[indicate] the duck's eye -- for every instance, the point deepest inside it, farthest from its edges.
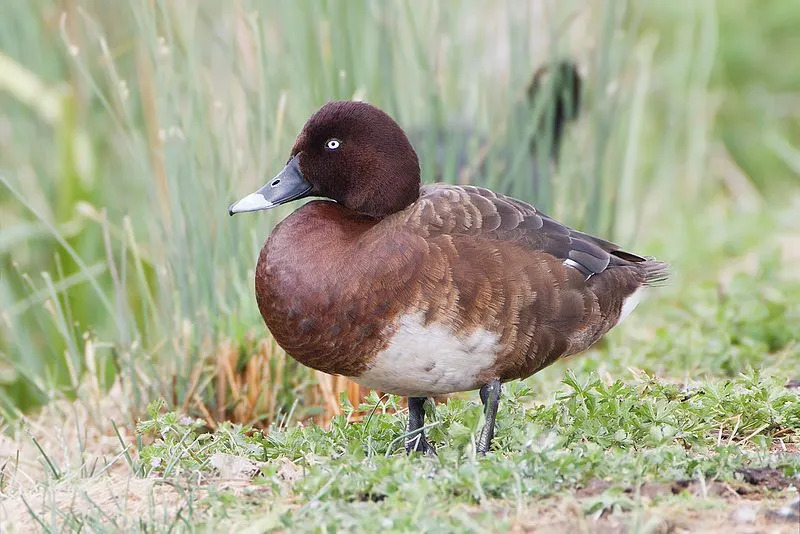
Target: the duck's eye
(332, 144)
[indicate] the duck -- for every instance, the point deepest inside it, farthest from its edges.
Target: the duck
(425, 290)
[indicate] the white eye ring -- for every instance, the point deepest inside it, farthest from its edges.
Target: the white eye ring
(332, 144)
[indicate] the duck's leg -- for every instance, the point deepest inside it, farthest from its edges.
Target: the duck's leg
(416, 420)
(490, 397)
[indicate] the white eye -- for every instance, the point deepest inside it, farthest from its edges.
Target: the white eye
(332, 144)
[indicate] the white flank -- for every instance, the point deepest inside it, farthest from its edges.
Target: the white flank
(423, 360)
(630, 303)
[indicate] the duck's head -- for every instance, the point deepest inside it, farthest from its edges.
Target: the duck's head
(350, 152)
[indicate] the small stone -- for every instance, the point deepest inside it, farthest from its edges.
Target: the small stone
(744, 514)
(289, 471)
(233, 467)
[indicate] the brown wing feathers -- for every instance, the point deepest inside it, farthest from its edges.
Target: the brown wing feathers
(546, 289)
(476, 211)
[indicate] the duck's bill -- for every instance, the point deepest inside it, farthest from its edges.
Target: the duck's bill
(288, 185)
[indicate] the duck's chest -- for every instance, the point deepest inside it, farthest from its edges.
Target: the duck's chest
(326, 292)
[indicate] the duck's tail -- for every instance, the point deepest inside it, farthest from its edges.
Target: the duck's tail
(656, 272)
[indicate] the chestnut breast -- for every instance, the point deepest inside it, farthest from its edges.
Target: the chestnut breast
(327, 290)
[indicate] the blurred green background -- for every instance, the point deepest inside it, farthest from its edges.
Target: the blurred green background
(126, 129)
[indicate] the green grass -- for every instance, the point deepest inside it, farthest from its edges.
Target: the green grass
(625, 434)
(621, 433)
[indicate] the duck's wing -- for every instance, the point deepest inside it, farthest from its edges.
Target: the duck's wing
(469, 210)
(490, 262)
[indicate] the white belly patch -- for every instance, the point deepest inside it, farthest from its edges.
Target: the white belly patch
(423, 360)
(630, 303)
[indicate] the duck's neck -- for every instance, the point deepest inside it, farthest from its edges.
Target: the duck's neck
(384, 195)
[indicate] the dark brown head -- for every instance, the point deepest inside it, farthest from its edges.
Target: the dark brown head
(350, 152)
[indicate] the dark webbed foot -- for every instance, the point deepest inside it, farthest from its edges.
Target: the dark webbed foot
(490, 397)
(415, 441)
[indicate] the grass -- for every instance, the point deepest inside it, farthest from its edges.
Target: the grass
(543, 450)
(124, 134)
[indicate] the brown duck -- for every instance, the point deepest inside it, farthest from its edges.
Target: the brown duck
(425, 290)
